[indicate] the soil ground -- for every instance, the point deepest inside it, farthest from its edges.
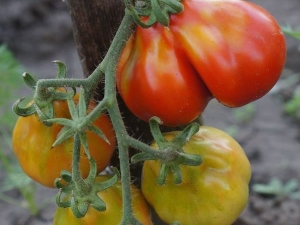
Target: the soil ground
(40, 31)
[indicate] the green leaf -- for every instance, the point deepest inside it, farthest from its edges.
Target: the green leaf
(11, 82)
(16, 178)
(291, 186)
(291, 32)
(278, 188)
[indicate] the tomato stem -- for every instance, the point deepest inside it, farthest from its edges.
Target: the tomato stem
(106, 69)
(110, 66)
(81, 185)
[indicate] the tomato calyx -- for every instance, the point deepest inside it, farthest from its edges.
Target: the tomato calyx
(81, 194)
(43, 99)
(154, 10)
(170, 153)
(78, 124)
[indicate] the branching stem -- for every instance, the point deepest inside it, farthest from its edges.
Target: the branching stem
(108, 69)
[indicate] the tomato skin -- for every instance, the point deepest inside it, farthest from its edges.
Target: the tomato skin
(213, 193)
(113, 213)
(232, 50)
(162, 89)
(32, 141)
(239, 51)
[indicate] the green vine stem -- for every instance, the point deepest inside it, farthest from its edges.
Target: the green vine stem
(76, 176)
(107, 68)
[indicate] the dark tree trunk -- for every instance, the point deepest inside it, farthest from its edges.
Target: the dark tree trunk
(94, 24)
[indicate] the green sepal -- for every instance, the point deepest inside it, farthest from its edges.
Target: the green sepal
(185, 135)
(85, 144)
(189, 159)
(61, 121)
(177, 174)
(79, 209)
(161, 15)
(136, 17)
(26, 111)
(142, 156)
(29, 80)
(61, 69)
(44, 97)
(158, 137)
(174, 6)
(66, 176)
(64, 134)
(44, 116)
(167, 168)
(73, 109)
(155, 10)
(58, 95)
(80, 198)
(99, 204)
(63, 204)
(108, 183)
(99, 132)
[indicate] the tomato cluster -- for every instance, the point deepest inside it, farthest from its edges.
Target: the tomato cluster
(230, 50)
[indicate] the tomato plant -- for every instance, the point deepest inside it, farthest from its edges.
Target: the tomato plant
(32, 145)
(213, 193)
(231, 50)
(113, 213)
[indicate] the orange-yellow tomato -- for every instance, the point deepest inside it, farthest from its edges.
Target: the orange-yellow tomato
(214, 193)
(32, 141)
(113, 213)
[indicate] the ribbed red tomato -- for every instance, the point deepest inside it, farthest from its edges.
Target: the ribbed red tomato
(232, 50)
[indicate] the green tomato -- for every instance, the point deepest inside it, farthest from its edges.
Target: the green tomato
(214, 193)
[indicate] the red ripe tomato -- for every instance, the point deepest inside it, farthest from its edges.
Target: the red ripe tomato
(231, 50)
(32, 142)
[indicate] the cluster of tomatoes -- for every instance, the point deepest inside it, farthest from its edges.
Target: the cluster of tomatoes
(231, 50)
